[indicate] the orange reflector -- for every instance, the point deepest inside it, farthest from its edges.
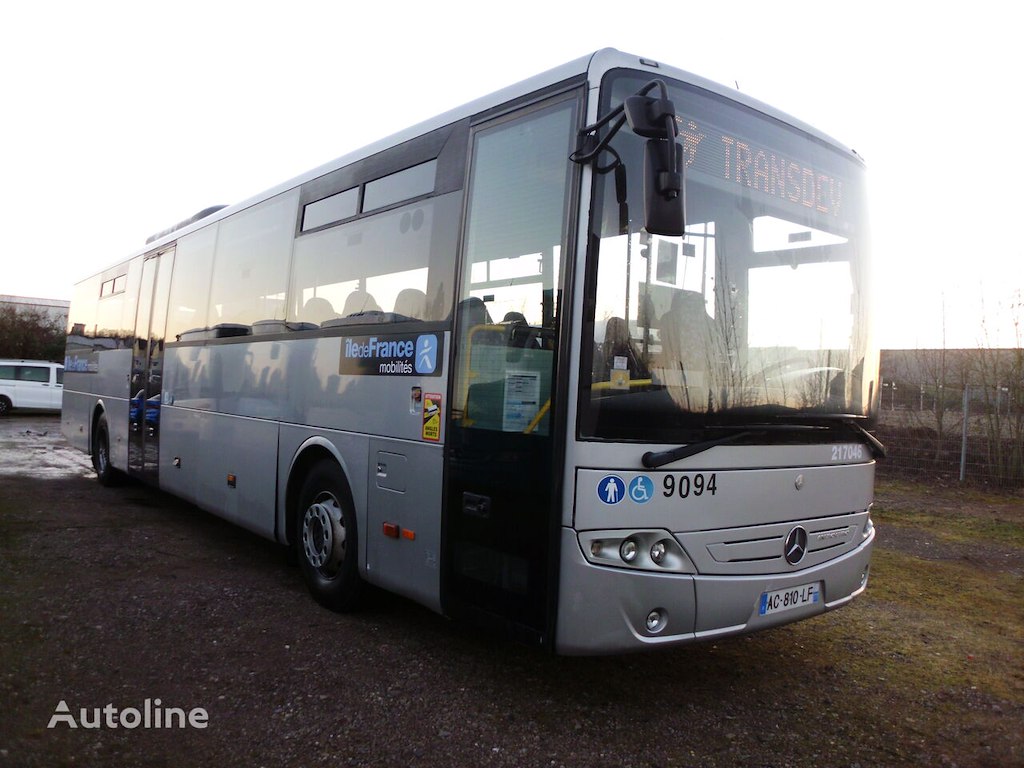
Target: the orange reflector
(407, 534)
(391, 530)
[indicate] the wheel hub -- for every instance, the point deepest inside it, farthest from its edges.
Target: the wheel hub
(323, 534)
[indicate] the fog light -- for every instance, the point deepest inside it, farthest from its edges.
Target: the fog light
(655, 620)
(595, 547)
(627, 551)
(658, 552)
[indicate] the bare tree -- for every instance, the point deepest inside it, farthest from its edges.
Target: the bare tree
(1001, 376)
(30, 334)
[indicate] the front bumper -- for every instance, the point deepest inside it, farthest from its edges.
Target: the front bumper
(605, 610)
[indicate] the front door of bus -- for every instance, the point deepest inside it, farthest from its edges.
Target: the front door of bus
(500, 516)
(147, 366)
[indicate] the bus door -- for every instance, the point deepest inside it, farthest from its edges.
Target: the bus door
(147, 365)
(501, 448)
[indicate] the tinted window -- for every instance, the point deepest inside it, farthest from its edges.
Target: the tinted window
(398, 262)
(7, 372)
(337, 207)
(250, 270)
(33, 373)
(190, 284)
(404, 185)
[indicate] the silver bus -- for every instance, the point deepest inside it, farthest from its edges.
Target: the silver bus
(588, 361)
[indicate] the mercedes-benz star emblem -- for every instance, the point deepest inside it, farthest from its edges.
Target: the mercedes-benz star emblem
(796, 545)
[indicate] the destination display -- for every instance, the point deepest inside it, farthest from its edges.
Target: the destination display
(743, 162)
(406, 354)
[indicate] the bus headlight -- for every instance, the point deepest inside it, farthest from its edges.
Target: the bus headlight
(628, 550)
(646, 550)
(658, 552)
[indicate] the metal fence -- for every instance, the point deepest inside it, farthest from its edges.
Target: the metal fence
(969, 434)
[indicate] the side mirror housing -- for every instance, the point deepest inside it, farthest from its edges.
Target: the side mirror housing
(664, 197)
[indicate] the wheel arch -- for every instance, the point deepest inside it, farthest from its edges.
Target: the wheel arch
(309, 454)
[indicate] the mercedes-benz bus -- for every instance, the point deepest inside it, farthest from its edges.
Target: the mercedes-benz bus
(588, 361)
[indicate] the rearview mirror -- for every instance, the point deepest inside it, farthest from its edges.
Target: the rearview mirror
(664, 197)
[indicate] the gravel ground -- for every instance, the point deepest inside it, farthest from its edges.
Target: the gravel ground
(116, 596)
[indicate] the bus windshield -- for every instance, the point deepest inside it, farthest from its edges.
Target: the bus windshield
(759, 313)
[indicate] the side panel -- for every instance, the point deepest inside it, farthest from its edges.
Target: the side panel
(301, 381)
(74, 422)
(244, 408)
(404, 493)
(179, 447)
(236, 475)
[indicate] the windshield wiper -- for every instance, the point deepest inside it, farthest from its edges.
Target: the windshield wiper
(655, 459)
(876, 446)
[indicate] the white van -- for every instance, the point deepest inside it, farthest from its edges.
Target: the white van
(30, 384)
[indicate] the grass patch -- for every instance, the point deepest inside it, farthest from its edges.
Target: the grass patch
(942, 625)
(953, 515)
(954, 527)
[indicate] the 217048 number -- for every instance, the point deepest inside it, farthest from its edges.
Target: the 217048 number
(685, 486)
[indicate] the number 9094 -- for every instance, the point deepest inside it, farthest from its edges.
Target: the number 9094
(685, 486)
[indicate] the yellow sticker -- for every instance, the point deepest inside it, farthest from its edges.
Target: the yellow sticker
(432, 417)
(619, 379)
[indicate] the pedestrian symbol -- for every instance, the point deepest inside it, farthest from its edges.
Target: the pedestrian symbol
(611, 489)
(641, 489)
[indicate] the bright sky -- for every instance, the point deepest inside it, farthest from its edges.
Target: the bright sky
(122, 118)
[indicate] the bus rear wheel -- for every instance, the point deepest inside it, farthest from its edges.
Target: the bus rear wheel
(105, 473)
(326, 538)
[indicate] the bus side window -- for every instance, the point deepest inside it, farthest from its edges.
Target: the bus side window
(398, 258)
(250, 267)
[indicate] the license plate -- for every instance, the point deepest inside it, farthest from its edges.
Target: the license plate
(787, 599)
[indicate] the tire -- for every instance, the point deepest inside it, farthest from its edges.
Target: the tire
(326, 538)
(105, 473)
(5, 406)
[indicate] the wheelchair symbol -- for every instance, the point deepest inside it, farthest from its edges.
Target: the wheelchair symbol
(641, 489)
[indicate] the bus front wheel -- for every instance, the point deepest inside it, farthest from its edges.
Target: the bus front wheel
(326, 538)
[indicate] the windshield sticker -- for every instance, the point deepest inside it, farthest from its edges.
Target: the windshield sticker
(522, 400)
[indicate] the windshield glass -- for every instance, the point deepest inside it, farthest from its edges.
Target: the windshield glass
(759, 313)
